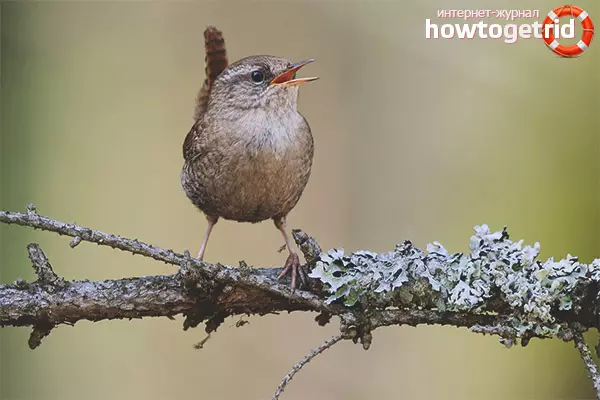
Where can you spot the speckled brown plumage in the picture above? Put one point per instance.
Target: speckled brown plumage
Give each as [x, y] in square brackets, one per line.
[245, 181]
[249, 154]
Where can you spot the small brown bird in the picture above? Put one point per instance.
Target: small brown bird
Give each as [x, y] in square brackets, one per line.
[249, 154]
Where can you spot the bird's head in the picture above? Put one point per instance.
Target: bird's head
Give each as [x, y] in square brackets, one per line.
[258, 82]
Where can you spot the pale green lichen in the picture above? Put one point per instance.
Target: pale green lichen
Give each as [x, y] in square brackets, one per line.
[496, 266]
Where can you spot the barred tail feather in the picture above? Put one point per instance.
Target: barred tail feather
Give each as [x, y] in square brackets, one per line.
[216, 62]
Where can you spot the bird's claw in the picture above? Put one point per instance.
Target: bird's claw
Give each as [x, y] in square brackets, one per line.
[292, 265]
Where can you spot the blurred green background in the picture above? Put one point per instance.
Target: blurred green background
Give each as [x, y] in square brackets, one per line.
[415, 138]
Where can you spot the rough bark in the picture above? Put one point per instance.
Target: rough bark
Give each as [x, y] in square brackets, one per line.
[499, 288]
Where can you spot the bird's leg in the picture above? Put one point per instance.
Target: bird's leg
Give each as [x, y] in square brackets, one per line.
[292, 264]
[211, 223]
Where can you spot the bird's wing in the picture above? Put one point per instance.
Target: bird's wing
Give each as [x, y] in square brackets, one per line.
[191, 144]
[216, 61]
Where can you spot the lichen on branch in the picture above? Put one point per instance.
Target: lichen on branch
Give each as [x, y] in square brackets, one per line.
[498, 275]
[499, 287]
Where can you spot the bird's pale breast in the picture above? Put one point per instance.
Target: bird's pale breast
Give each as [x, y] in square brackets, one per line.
[252, 174]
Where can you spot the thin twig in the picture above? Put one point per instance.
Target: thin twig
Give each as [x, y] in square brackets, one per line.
[42, 267]
[201, 343]
[586, 356]
[315, 352]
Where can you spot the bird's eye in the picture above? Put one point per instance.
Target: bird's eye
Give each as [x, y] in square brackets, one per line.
[258, 76]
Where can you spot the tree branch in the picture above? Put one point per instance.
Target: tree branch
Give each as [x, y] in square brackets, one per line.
[498, 288]
[262, 278]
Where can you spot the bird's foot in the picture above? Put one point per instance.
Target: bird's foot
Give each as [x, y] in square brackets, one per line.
[292, 265]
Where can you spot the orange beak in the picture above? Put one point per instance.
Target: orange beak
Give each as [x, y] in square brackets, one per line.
[288, 78]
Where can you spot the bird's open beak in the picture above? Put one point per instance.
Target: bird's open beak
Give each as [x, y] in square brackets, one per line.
[288, 78]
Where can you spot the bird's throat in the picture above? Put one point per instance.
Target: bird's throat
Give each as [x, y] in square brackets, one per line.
[268, 130]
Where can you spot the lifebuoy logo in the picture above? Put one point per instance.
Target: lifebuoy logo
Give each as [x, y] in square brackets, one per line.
[551, 31]
[587, 31]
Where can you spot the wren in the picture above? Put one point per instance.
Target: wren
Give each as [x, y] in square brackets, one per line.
[248, 156]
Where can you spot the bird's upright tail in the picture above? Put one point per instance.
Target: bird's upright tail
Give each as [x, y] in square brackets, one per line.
[216, 62]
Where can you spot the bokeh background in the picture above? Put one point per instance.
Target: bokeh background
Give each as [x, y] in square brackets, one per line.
[415, 139]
